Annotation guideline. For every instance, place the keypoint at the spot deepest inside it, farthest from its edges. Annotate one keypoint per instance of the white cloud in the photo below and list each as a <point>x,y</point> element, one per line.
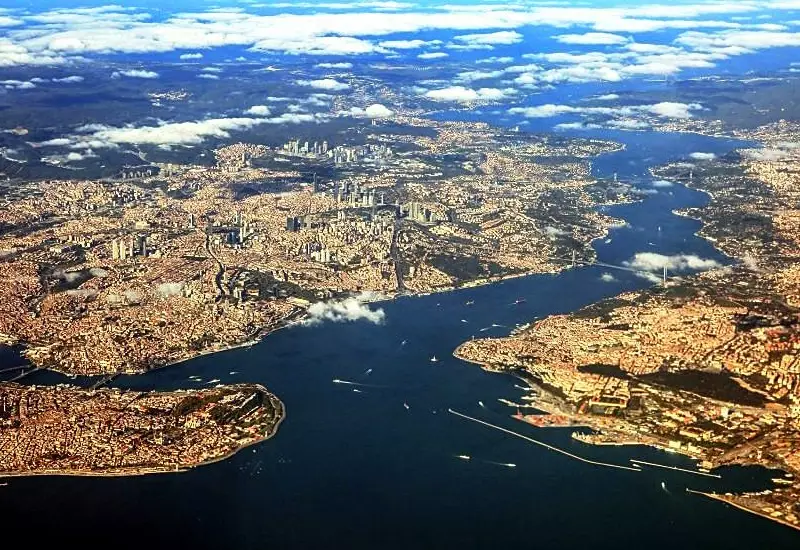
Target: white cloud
<point>75,157</point>
<point>606,97</point>
<point>325,84</point>
<point>343,65</point>
<point>208,76</point>
<point>17,84</point>
<point>608,278</point>
<point>662,183</point>
<point>375,110</point>
<point>768,154</point>
<point>175,133</point>
<point>433,55</point>
<point>69,79</point>
<point>187,56</point>
<point>592,38</point>
<point>57,142</point>
<point>135,73</point>
<point>671,109</point>
<point>367,27</point>
<point>748,40</point>
<point>627,124</point>
<point>6,21</point>
<point>346,310</point>
<point>499,60</point>
<point>703,156</point>
<point>543,111</point>
<point>664,110</point>
<point>653,262</point>
<point>258,110</point>
<point>494,38</point>
<point>407,44</point>
<point>462,94</point>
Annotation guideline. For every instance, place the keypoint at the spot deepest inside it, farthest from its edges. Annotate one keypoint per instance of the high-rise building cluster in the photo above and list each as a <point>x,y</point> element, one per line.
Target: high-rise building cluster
<point>296,148</point>
<point>127,247</point>
<point>352,194</point>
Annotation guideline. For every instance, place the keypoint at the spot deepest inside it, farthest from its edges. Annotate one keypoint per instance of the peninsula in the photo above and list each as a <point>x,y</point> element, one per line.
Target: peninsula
<point>705,365</point>
<point>64,430</point>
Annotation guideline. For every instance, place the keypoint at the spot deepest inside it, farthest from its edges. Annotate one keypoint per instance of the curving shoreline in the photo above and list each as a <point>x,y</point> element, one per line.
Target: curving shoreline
<point>197,413</point>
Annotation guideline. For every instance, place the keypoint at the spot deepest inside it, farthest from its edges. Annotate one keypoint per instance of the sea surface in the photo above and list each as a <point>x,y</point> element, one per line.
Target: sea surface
<point>359,469</point>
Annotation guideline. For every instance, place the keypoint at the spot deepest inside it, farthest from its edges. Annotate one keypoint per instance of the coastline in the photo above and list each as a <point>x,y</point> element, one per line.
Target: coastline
<point>727,500</point>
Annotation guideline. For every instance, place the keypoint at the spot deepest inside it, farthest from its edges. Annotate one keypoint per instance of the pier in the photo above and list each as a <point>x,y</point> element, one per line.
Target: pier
<point>542,444</point>
<point>676,468</point>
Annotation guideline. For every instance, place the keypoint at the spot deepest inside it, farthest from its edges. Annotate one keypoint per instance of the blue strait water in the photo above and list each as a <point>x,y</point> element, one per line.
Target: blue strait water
<point>359,470</point>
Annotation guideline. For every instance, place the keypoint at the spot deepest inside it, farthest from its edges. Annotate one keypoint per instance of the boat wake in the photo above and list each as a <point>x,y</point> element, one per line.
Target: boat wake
<point>359,384</point>
<point>504,464</point>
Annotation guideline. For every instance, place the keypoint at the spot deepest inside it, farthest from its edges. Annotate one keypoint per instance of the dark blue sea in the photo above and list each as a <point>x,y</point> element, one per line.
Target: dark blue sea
<point>360,470</point>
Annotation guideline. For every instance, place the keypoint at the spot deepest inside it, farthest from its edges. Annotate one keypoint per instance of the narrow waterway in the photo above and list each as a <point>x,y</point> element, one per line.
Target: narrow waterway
<point>359,469</point>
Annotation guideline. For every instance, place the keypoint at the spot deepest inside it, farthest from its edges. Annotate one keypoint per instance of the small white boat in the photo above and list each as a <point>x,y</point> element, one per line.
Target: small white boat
<point>663,485</point>
<point>434,359</point>
<point>406,406</point>
<point>463,457</point>
<point>368,371</point>
<point>481,404</point>
<point>356,390</point>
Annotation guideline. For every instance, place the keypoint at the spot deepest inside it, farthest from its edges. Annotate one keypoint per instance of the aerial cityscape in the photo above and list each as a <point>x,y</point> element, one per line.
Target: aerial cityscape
<point>449,268</point>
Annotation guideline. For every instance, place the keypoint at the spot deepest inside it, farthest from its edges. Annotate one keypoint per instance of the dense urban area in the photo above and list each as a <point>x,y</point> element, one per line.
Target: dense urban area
<point>67,430</point>
<point>166,262</point>
<point>99,274</point>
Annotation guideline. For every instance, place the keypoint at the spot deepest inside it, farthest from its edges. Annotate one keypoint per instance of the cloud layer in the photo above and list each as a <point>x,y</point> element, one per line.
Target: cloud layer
<point>349,309</point>
<point>55,36</point>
